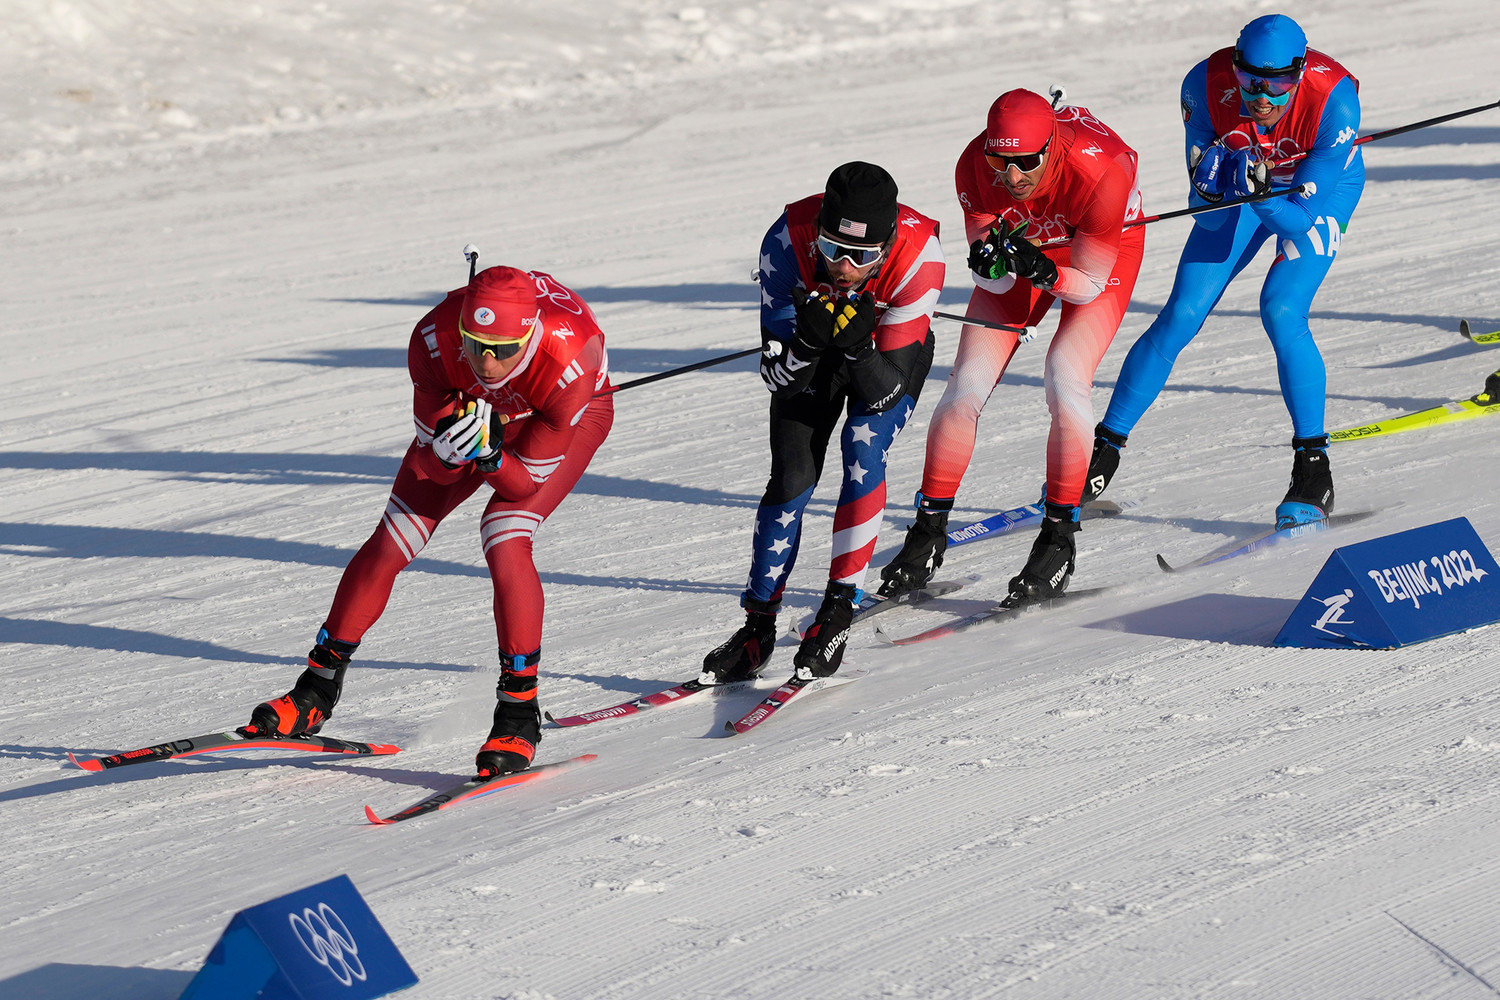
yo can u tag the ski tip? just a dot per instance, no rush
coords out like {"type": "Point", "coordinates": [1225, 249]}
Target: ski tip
{"type": "Point", "coordinates": [379, 749]}
{"type": "Point", "coordinates": [374, 819]}
{"type": "Point", "coordinates": [549, 718]}
{"type": "Point", "coordinates": [87, 763]}
{"type": "Point", "coordinates": [1463, 329]}
{"type": "Point", "coordinates": [585, 758]}
{"type": "Point", "coordinates": [1166, 567]}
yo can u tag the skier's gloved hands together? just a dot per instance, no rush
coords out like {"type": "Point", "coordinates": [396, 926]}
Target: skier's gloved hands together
{"type": "Point", "coordinates": [467, 434]}
{"type": "Point", "coordinates": [1026, 260]}
{"type": "Point", "coordinates": [1247, 175]}
{"type": "Point", "coordinates": [854, 323]}
{"type": "Point", "coordinates": [815, 319]}
{"type": "Point", "coordinates": [1206, 170]}
{"type": "Point", "coordinates": [1005, 252]}
{"type": "Point", "coordinates": [987, 256]}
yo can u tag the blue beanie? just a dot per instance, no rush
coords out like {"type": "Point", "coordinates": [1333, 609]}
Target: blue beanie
{"type": "Point", "coordinates": [1273, 42]}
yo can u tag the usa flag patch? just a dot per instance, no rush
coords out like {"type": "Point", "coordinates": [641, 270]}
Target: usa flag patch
{"type": "Point", "coordinates": [849, 228]}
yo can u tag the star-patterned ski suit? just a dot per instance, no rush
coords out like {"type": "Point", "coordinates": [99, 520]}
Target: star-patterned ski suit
{"type": "Point", "coordinates": [876, 395]}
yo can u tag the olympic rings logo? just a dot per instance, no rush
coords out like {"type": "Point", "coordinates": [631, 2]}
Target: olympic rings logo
{"type": "Point", "coordinates": [329, 942]}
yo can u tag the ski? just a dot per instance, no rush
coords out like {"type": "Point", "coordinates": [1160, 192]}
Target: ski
{"type": "Point", "coordinates": [1265, 539]}
{"type": "Point", "coordinates": [668, 696]}
{"type": "Point", "coordinates": [477, 788]}
{"type": "Point", "coordinates": [1478, 338]}
{"type": "Point", "coordinates": [784, 695]}
{"type": "Point", "coordinates": [1478, 405]}
{"type": "Point", "coordinates": [999, 612]}
{"type": "Point", "coordinates": [1028, 514]}
{"type": "Point", "coordinates": [873, 604]}
{"type": "Point", "coordinates": [231, 742]}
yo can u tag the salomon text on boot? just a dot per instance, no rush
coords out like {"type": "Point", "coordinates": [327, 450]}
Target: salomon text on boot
{"type": "Point", "coordinates": [1309, 497]}
{"type": "Point", "coordinates": [742, 655]}
{"type": "Point", "coordinates": [1050, 565]}
{"type": "Point", "coordinates": [822, 648]}
{"type": "Point", "coordinates": [309, 704]}
{"type": "Point", "coordinates": [922, 553]}
{"type": "Point", "coordinates": [1104, 462]}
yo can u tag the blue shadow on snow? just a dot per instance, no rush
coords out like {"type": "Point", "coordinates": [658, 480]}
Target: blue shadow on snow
{"type": "Point", "coordinates": [1232, 618]}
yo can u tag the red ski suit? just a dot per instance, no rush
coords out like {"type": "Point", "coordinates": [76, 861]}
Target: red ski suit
{"type": "Point", "coordinates": [564, 364]}
{"type": "Point", "coordinates": [1087, 191]}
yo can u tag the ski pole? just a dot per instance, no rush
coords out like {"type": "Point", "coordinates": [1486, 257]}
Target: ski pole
{"type": "Point", "coordinates": [643, 380]}
{"type": "Point", "coordinates": [1025, 331]}
{"type": "Point", "coordinates": [1372, 137]}
{"type": "Point", "coordinates": [1399, 129]}
{"type": "Point", "coordinates": [1263, 196]}
{"type": "Point", "coordinates": [471, 254]}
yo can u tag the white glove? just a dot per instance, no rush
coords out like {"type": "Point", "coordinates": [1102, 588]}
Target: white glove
{"type": "Point", "coordinates": [467, 438]}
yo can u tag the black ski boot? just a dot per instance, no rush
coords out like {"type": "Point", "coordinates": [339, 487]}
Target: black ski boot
{"type": "Point", "coordinates": [1104, 462]}
{"type": "Point", "coordinates": [922, 552]}
{"type": "Point", "coordinates": [309, 703]}
{"type": "Point", "coordinates": [517, 728]}
{"type": "Point", "coordinates": [822, 648]}
{"type": "Point", "coordinates": [516, 731]}
{"type": "Point", "coordinates": [1050, 565]}
{"type": "Point", "coordinates": [1309, 496]}
{"type": "Point", "coordinates": [743, 654]}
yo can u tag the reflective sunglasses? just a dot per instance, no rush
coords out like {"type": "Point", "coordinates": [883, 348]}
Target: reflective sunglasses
{"type": "Point", "coordinates": [858, 256]}
{"type": "Point", "coordinates": [499, 348]}
{"type": "Point", "coordinates": [1275, 85]}
{"type": "Point", "coordinates": [1025, 162]}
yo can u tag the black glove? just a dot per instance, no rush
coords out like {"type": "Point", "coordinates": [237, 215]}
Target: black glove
{"type": "Point", "coordinates": [1026, 260]}
{"type": "Point", "coordinates": [986, 258]}
{"type": "Point", "coordinates": [854, 323]}
{"type": "Point", "coordinates": [814, 320]}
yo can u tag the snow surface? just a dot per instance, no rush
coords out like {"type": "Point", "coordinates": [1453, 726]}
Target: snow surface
{"type": "Point", "coordinates": [221, 221]}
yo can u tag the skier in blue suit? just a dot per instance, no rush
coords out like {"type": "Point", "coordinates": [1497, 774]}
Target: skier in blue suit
{"type": "Point", "coordinates": [1267, 111]}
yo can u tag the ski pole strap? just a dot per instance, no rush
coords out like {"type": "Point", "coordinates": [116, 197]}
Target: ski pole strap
{"type": "Point", "coordinates": [1198, 210]}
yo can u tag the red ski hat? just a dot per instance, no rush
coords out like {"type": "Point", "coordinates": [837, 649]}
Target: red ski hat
{"type": "Point", "coordinates": [1019, 122]}
{"type": "Point", "coordinates": [500, 306]}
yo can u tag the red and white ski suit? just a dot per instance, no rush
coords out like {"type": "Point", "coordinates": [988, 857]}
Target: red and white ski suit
{"type": "Point", "coordinates": [564, 364]}
{"type": "Point", "coordinates": [1087, 191]}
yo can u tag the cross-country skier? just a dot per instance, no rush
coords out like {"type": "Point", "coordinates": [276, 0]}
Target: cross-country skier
{"type": "Point", "coordinates": [512, 342]}
{"type": "Point", "coordinates": [1269, 110]}
{"type": "Point", "coordinates": [848, 279]}
{"type": "Point", "coordinates": [1062, 179]}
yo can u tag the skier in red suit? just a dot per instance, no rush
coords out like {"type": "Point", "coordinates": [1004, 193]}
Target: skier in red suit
{"type": "Point", "coordinates": [506, 375]}
{"type": "Point", "coordinates": [1045, 194]}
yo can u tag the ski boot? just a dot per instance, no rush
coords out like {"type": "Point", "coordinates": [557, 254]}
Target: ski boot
{"type": "Point", "coordinates": [517, 727]}
{"type": "Point", "coordinates": [744, 653]}
{"type": "Point", "coordinates": [922, 552]}
{"type": "Point", "coordinates": [822, 648]}
{"type": "Point", "coordinates": [309, 704]}
{"type": "Point", "coordinates": [1309, 497]}
{"type": "Point", "coordinates": [1104, 462]}
{"type": "Point", "coordinates": [1050, 565]}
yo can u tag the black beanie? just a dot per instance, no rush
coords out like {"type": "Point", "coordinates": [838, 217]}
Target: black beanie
{"type": "Point", "coordinates": [859, 204]}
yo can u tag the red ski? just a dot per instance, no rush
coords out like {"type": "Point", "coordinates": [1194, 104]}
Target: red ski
{"type": "Point", "coordinates": [477, 788]}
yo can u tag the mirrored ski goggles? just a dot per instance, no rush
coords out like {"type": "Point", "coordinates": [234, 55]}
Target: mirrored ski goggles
{"type": "Point", "coordinates": [1276, 89]}
{"type": "Point", "coordinates": [499, 348]}
{"type": "Point", "coordinates": [858, 256]}
{"type": "Point", "coordinates": [1024, 162]}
